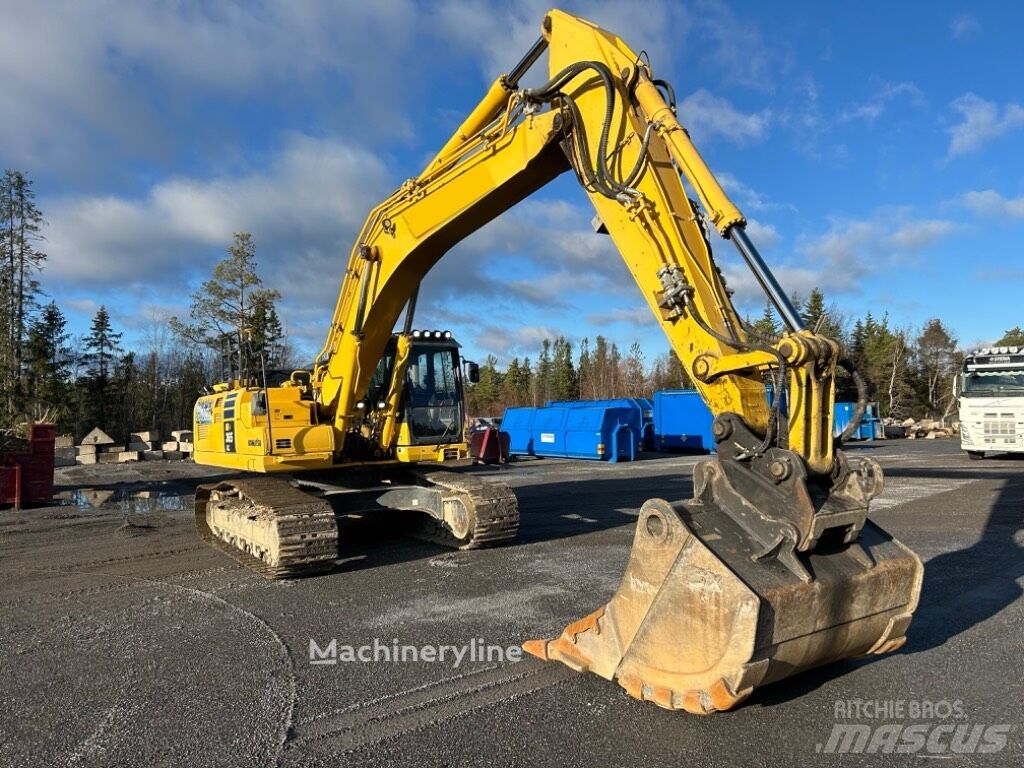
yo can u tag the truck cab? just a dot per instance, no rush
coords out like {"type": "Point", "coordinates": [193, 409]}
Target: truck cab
{"type": "Point", "coordinates": [992, 401]}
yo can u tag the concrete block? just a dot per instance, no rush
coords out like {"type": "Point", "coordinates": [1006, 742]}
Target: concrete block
{"type": "Point", "coordinates": [65, 441]}
{"type": "Point", "coordinates": [65, 452]}
{"type": "Point", "coordinates": [185, 447]}
{"type": "Point", "coordinates": [107, 458]}
{"type": "Point", "coordinates": [64, 461]}
{"type": "Point", "coordinates": [85, 450]}
{"type": "Point", "coordinates": [152, 455]}
{"type": "Point", "coordinates": [112, 448]}
{"type": "Point", "coordinates": [97, 437]}
{"type": "Point", "coordinates": [182, 435]}
{"type": "Point", "coordinates": [150, 436]}
{"type": "Point", "coordinates": [126, 456]}
{"type": "Point", "coordinates": [138, 445]}
{"type": "Point", "coordinates": [87, 458]}
{"type": "Point", "coordinates": [174, 455]}
{"type": "Point", "coordinates": [170, 445]}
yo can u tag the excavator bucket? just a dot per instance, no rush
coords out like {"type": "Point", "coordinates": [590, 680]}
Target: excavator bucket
{"type": "Point", "coordinates": [705, 613]}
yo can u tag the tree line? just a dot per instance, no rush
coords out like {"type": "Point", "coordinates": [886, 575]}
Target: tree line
{"type": "Point", "coordinates": [90, 380]}
{"type": "Point", "coordinates": [909, 373]}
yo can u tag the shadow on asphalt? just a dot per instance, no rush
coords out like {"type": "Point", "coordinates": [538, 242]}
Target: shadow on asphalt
{"type": "Point", "coordinates": [961, 588]}
{"type": "Point", "coordinates": [967, 586]}
{"type": "Point", "coordinates": [548, 512]}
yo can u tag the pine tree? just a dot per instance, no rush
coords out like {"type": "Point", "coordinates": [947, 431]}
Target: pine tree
{"type": "Point", "coordinates": [565, 383]}
{"type": "Point", "coordinates": [102, 351]}
{"type": "Point", "coordinates": [584, 368]}
{"type": "Point", "coordinates": [818, 317]}
{"type": "Point", "coordinates": [885, 366]}
{"type": "Point", "coordinates": [668, 373]}
{"type": "Point", "coordinates": [20, 262]}
{"type": "Point", "coordinates": [515, 387]}
{"type": "Point", "coordinates": [265, 330]}
{"type": "Point", "coordinates": [1012, 338]}
{"type": "Point", "coordinates": [542, 380]}
{"type": "Point", "coordinates": [47, 362]}
{"type": "Point", "coordinates": [485, 395]}
{"type": "Point", "coordinates": [224, 305]}
{"type": "Point", "coordinates": [766, 329]}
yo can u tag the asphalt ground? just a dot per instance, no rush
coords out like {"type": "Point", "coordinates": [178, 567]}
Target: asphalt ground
{"type": "Point", "coordinates": [125, 642]}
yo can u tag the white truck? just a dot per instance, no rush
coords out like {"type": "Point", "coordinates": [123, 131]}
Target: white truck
{"type": "Point", "coordinates": [992, 401]}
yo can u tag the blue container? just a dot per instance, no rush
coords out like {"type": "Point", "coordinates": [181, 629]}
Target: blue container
{"type": "Point", "coordinates": [641, 422]}
{"type": "Point", "coordinates": [682, 421]}
{"type": "Point", "coordinates": [599, 433]}
{"type": "Point", "coordinates": [870, 426]}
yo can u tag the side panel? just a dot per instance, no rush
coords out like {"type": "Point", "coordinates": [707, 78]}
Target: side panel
{"type": "Point", "coordinates": [237, 430]}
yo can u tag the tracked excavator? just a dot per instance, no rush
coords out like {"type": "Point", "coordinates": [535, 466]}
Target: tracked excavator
{"type": "Point", "coordinates": [771, 568]}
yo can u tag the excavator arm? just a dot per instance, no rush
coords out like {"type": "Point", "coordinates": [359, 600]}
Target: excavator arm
{"type": "Point", "coordinates": [513, 143]}
{"type": "Point", "coordinates": [773, 566]}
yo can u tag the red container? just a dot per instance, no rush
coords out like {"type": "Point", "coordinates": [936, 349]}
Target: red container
{"type": "Point", "coordinates": [488, 446]}
{"type": "Point", "coordinates": [26, 477]}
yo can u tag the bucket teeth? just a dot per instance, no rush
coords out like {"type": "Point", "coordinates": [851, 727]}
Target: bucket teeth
{"type": "Point", "coordinates": [563, 648]}
{"type": "Point", "coordinates": [698, 623]}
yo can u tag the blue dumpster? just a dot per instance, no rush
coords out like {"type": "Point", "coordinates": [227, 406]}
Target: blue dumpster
{"type": "Point", "coordinates": [642, 422]}
{"type": "Point", "coordinates": [870, 424]}
{"type": "Point", "coordinates": [682, 421]}
{"type": "Point", "coordinates": [600, 433]}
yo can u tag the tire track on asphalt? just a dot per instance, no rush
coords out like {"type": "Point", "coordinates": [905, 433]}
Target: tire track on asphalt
{"type": "Point", "coordinates": [910, 489]}
{"type": "Point", "coordinates": [391, 716]}
{"type": "Point", "coordinates": [284, 650]}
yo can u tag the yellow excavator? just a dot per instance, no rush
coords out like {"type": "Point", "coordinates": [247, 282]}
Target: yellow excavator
{"type": "Point", "coordinates": [771, 568]}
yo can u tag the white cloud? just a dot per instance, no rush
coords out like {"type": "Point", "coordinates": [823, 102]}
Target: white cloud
{"type": "Point", "coordinates": [988, 202]}
{"type": "Point", "coordinates": [709, 117]}
{"type": "Point", "coordinates": [735, 47]}
{"type": "Point", "coordinates": [507, 342]}
{"type": "Point", "coordinates": [837, 260]}
{"type": "Point", "coordinates": [964, 28]}
{"type": "Point", "coordinates": [108, 78]}
{"type": "Point", "coordinates": [919, 234]}
{"type": "Point", "coordinates": [854, 247]}
{"type": "Point", "coordinates": [313, 193]}
{"type": "Point", "coordinates": [639, 316]}
{"type": "Point", "coordinates": [765, 236]}
{"type": "Point", "coordinates": [982, 122]}
{"type": "Point", "coordinates": [748, 198]}
{"type": "Point", "coordinates": [874, 107]}
{"type": "Point", "coordinates": [497, 36]}
{"type": "Point", "coordinates": [304, 211]}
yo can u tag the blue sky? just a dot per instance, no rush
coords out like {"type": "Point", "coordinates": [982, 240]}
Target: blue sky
{"type": "Point", "coordinates": [876, 148]}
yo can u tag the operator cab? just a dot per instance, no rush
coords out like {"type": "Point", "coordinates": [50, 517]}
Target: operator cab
{"type": "Point", "coordinates": [432, 411]}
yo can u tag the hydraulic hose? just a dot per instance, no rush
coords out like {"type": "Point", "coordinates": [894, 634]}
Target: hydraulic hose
{"type": "Point", "coordinates": [862, 399]}
{"type": "Point", "coordinates": [597, 174]}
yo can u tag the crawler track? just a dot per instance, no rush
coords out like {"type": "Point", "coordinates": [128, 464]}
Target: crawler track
{"type": "Point", "coordinates": [279, 531]}
{"type": "Point", "coordinates": [296, 533]}
{"type": "Point", "coordinates": [492, 507]}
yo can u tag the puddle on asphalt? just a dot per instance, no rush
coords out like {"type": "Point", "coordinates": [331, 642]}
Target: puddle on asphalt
{"type": "Point", "coordinates": [128, 500]}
